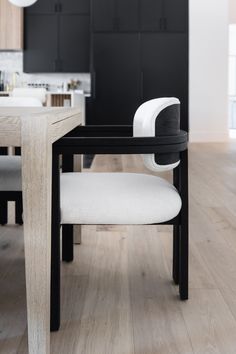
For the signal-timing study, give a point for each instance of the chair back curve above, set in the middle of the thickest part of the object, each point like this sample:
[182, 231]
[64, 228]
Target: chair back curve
[158, 117]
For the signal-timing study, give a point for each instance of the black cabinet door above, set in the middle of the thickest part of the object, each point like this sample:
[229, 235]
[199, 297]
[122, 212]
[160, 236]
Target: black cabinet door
[116, 78]
[74, 43]
[115, 15]
[151, 15]
[42, 7]
[103, 13]
[165, 68]
[74, 6]
[41, 37]
[126, 15]
[176, 15]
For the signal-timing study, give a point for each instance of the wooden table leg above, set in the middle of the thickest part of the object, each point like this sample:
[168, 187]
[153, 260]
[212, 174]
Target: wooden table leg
[36, 176]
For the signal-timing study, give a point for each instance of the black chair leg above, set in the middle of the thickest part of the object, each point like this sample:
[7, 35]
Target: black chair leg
[19, 211]
[67, 243]
[183, 276]
[184, 228]
[3, 212]
[176, 236]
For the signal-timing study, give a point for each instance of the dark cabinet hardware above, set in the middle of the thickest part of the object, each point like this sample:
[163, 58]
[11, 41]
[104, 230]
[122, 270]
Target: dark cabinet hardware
[115, 15]
[161, 23]
[116, 24]
[55, 65]
[165, 24]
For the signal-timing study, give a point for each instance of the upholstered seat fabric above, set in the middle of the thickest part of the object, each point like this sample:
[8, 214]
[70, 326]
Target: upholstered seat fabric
[20, 102]
[117, 198]
[10, 173]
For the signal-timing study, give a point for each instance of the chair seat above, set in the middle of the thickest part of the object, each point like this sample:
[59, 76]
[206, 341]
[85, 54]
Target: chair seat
[10, 173]
[117, 198]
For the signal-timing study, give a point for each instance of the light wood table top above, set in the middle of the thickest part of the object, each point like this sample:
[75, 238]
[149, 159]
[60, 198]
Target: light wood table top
[35, 130]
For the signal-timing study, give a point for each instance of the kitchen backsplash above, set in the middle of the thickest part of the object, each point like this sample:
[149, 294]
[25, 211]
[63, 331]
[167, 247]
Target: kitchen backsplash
[12, 62]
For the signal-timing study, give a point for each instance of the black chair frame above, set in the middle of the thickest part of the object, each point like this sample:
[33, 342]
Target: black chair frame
[117, 140]
[13, 196]
[7, 196]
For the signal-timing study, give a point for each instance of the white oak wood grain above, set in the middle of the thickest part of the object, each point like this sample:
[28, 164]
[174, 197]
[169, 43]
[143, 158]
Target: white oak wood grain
[11, 26]
[37, 129]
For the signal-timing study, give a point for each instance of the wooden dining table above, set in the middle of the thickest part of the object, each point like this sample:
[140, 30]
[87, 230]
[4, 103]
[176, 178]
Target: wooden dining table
[35, 130]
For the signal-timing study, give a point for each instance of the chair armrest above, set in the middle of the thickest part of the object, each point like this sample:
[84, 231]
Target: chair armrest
[102, 131]
[122, 145]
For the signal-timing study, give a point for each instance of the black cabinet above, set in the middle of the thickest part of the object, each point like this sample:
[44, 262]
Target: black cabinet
[57, 36]
[42, 7]
[115, 15]
[74, 54]
[139, 52]
[41, 37]
[151, 15]
[116, 78]
[102, 15]
[165, 68]
[164, 15]
[74, 6]
[176, 15]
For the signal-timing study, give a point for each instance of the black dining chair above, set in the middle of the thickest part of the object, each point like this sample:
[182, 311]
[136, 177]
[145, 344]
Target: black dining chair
[123, 198]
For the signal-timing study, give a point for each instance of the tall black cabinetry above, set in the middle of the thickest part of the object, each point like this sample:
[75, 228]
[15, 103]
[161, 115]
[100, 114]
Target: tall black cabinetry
[115, 58]
[57, 36]
[139, 52]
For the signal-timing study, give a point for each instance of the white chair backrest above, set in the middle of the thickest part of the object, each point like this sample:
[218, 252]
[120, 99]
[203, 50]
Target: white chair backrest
[20, 102]
[39, 93]
[145, 124]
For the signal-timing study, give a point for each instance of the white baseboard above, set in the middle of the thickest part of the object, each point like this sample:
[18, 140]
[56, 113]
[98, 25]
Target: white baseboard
[206, 137]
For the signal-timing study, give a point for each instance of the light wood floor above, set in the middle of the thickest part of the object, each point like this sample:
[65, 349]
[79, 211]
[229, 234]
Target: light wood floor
[118, 297]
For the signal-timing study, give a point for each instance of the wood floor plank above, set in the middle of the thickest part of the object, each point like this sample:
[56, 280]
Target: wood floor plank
[105, 326]
[12, 289]
[158, 323]
[210, 324]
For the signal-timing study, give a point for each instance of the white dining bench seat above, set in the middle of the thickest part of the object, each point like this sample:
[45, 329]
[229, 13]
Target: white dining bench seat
[117, 198]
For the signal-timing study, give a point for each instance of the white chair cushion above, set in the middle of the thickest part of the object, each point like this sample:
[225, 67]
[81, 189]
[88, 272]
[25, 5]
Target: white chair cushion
[117, 198]
[19, 102]
[37, 93]
[10, 173]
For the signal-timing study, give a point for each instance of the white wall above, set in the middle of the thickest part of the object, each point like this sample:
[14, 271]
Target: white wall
[209, 32]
